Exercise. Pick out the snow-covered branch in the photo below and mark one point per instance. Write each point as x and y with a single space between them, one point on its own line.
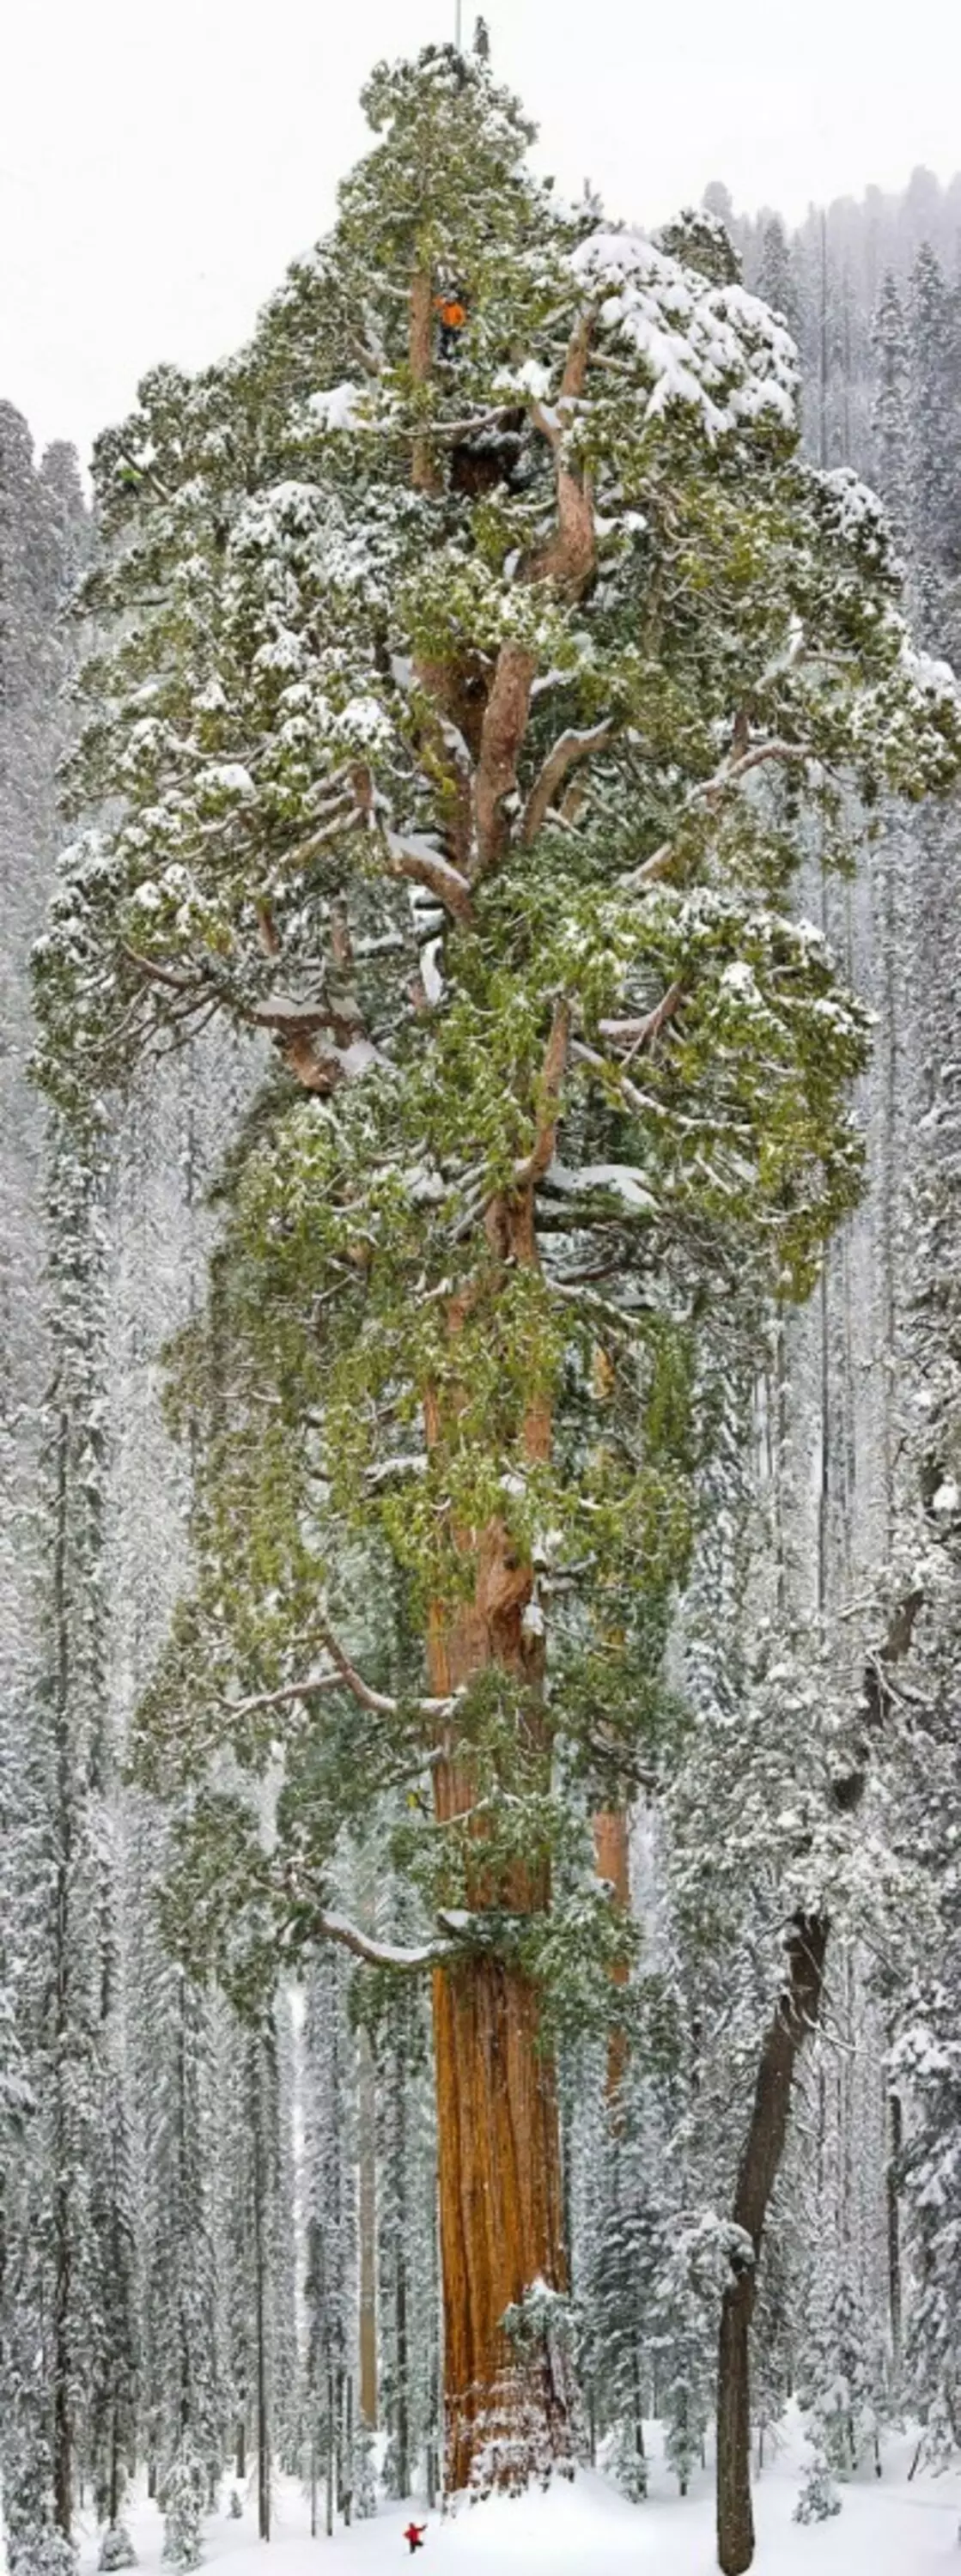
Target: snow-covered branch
571 748
344 1676
384 1954
711 791
635 1034
409 856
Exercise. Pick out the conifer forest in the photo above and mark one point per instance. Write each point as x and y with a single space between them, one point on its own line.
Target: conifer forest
480 1423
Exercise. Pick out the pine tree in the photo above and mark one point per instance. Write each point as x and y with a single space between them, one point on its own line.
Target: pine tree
934 336
891 409
182 2364
775 280
73 2284
331 2235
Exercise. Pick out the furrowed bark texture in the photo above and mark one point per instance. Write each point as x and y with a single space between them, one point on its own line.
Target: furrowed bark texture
501 2207
797 2014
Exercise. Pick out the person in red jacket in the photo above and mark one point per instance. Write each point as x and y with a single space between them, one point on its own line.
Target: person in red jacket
414 2535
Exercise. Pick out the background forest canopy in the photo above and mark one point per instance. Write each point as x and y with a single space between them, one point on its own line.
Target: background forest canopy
478 1737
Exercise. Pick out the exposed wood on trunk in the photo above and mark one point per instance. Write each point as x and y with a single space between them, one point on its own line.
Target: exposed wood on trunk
796 2016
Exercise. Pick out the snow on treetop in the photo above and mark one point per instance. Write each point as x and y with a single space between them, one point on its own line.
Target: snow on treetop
714 347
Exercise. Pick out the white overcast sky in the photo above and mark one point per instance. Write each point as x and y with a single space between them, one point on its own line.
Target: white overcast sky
161 160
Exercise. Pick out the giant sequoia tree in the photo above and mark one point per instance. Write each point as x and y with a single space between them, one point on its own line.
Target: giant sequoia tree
468 692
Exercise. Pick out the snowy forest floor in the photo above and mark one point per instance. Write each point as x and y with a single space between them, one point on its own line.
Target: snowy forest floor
887 2527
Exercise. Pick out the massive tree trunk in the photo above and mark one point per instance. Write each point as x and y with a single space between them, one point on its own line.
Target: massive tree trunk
500 2197
796 2015
507 2412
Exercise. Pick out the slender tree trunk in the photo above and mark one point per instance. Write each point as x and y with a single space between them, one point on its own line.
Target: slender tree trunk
797 2013
62 2425
331 2450
113 2508
367 2223
403 2367
892 2183
263 2426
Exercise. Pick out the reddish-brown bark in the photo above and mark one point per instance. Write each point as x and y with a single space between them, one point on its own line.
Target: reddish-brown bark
501 2204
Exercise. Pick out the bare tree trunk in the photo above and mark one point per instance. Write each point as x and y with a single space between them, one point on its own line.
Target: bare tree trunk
367 2223
797 2014
260 2268
403 2364
62 2426
892 2180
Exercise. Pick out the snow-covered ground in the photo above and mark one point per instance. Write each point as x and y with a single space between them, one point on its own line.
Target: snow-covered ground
887 2527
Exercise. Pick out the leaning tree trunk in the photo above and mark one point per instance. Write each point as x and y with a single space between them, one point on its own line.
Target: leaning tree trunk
797 2014
507 2412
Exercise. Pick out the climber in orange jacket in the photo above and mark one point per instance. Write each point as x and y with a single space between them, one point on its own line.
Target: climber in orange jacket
451 311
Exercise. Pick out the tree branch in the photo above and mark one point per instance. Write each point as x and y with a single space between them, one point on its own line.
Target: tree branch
384 1954
568 751
427 867
711 791
379 1702
635 1034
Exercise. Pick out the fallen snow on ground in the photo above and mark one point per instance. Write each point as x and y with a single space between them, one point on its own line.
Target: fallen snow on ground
887 2527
